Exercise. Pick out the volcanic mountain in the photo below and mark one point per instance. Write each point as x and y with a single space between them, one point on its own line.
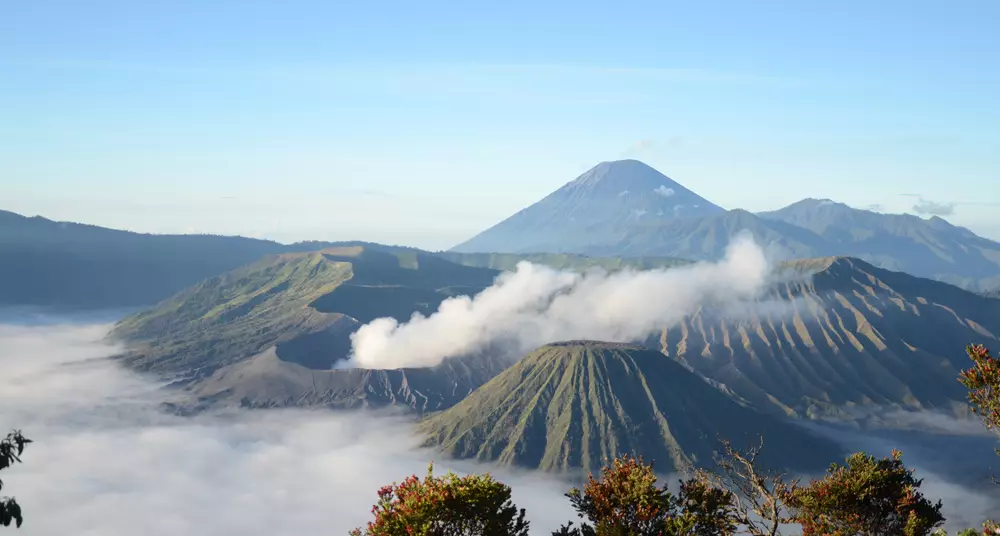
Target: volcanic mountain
619 209
838 337
592 210
575 405
269 334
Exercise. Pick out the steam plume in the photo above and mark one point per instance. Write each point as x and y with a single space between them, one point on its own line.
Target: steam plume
535 305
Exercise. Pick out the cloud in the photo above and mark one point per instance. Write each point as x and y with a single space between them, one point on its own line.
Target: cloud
663 191
535 305
932 208
875 207
106 461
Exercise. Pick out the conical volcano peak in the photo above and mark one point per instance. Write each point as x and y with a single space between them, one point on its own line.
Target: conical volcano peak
628 176
601 204
635 401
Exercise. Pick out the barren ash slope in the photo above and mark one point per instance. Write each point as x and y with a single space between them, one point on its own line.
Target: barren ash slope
268 334
574 405
851 341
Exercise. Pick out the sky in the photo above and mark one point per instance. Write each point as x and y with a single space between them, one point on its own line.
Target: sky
422 123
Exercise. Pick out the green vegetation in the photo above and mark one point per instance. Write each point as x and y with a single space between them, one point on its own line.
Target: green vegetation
445 506
561 261
11 448
579 404
288 300
627 501
865 496
234 315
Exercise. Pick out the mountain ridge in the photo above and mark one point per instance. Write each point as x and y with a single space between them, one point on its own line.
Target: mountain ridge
808 228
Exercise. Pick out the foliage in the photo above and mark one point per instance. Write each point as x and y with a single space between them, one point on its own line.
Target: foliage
11 448
445 506
627 502
983 382
865 497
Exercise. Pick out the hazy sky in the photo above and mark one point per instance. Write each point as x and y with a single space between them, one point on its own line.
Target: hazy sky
424 122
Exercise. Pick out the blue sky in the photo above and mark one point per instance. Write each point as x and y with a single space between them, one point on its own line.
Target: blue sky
424 122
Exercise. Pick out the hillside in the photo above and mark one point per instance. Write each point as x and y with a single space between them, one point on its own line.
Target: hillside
591 210
930 248
706 238
574 405
268 380
849 341
599 215
560 261
66 264
307 304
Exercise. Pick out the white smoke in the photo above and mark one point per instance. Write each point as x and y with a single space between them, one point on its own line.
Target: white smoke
535 305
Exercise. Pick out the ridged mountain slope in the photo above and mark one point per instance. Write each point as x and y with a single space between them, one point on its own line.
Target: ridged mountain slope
850 340
574 405
307 304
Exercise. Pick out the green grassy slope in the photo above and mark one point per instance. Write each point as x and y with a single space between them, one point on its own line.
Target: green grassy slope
575 405
307 303
852 338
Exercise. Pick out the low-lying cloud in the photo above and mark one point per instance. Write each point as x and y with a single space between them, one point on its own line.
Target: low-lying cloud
106 462
535 305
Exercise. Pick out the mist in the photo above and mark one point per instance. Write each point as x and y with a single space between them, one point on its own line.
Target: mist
535 305
106 462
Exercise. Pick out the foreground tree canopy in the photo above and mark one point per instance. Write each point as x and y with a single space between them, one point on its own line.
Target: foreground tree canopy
445 506
11 448
864 496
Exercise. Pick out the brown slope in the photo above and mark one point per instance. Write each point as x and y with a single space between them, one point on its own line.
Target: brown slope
853 338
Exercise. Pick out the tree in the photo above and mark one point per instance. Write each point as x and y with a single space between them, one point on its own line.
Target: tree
759 496
865 497
11 448
983 382
470 505
627 502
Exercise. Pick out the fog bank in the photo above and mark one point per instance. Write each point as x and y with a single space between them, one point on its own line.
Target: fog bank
106 462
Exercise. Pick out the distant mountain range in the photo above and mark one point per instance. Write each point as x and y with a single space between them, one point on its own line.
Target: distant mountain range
835 338
620 209
75 265
578 404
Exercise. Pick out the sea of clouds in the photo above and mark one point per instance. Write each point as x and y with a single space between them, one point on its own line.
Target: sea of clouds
106 462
